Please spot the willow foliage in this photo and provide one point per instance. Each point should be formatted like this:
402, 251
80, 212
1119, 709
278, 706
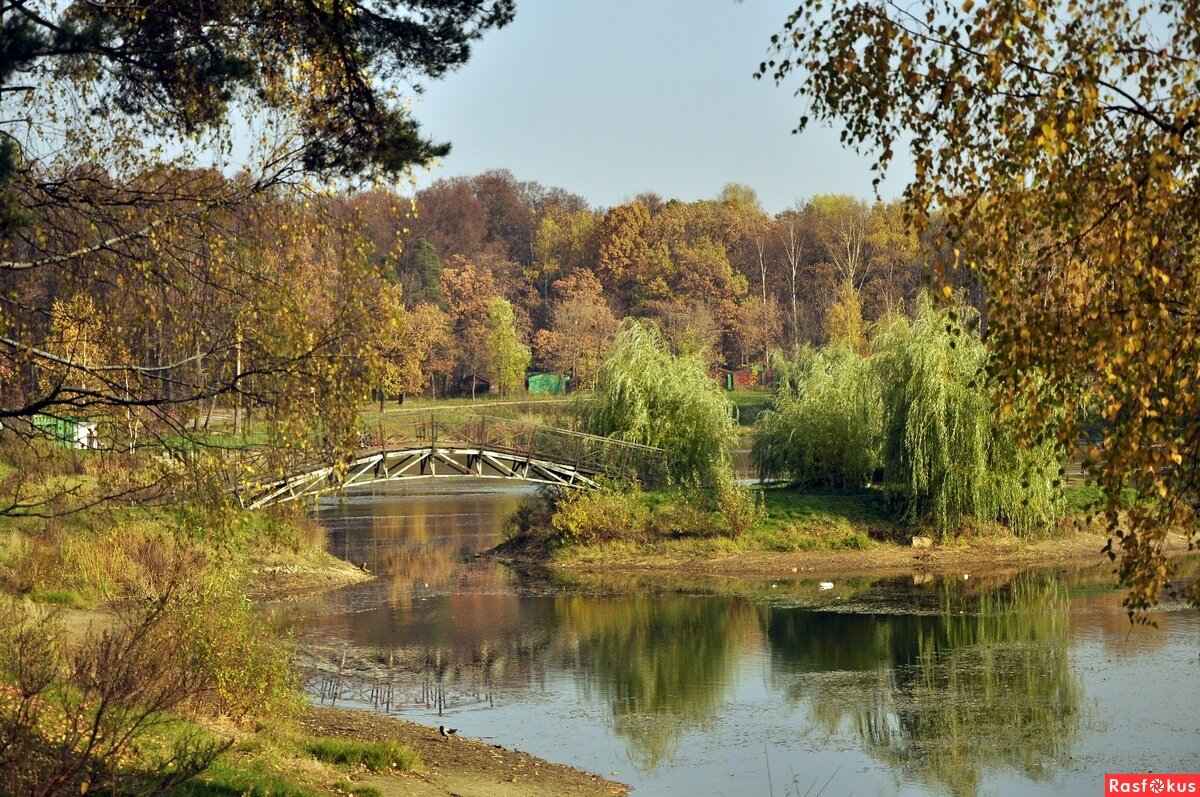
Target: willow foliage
919, 407
946, 454
827, 423
647, 395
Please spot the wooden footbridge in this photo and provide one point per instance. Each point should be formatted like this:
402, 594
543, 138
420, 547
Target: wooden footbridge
437, 446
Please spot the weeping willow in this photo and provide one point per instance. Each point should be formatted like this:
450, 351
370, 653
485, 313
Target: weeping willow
946, 454
920, 408
646, 395
827, 423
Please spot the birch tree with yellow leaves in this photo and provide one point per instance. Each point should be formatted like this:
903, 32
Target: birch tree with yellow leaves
1059, 142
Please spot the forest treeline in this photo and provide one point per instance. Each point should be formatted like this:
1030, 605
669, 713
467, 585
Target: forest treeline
293, 305
722, 277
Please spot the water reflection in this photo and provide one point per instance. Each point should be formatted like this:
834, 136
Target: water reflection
943, 686
984, 684
663, 664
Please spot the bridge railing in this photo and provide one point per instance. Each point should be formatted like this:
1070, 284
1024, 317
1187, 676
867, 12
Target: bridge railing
587, 452
255, 472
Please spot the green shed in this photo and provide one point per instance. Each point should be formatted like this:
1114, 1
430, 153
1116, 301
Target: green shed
67, 432
553, 384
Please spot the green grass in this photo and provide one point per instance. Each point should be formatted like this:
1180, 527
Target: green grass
750, 404
113, 551
356, 789
1085, 499
861, 510
398, 421
1082, 499
231, 778
796, 521
375, 756
60, 597
256, 435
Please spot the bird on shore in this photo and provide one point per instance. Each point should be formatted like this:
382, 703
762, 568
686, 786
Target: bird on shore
447, 732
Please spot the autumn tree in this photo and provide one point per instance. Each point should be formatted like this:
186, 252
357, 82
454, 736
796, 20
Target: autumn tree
843, 225
450, 218
581, 329
425, 348
469, 289
566, 240
510, 213
792, 230
382, 217
507, 357
749, 247
895, 254
387, 340
760, 327
187, 267
691, 328
75, 344
630, 264
1059, 143
844, 320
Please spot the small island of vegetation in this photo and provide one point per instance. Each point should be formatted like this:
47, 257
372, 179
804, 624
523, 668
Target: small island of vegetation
884, 440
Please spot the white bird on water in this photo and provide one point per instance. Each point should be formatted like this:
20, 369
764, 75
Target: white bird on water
447, 732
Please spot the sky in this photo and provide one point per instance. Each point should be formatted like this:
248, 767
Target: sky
615, 98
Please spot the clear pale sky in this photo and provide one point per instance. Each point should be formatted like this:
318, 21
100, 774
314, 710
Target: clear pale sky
614, 98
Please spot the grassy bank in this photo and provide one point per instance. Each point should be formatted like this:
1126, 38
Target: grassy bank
623, 527
132, 661
185, 752
150, 687
114, 553
284, 760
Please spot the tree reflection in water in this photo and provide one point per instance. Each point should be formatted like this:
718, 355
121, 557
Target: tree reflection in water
665, 664
984, 684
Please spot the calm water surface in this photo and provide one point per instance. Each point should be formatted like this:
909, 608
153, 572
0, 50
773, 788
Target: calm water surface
975, 685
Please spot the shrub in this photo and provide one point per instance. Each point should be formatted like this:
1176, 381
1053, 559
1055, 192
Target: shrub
71, 719
682, 513
533, 516
742, 509
603, 515
248, 667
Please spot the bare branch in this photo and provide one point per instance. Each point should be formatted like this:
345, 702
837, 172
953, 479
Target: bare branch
89, 250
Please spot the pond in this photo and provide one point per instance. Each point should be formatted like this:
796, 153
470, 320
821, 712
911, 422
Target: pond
1028, 683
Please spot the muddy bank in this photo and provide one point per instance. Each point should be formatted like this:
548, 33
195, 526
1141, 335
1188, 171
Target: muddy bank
273, 581
456, 766
980, 555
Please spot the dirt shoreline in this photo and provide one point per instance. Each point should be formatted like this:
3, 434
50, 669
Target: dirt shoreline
982, 555
457, 766
276, 581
